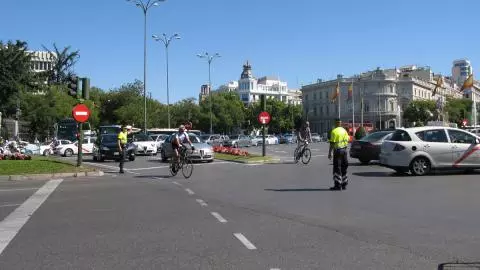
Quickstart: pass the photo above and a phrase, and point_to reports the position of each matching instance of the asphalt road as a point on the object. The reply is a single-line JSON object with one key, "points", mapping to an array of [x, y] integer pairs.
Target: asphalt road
{"points": [[238, 216]]}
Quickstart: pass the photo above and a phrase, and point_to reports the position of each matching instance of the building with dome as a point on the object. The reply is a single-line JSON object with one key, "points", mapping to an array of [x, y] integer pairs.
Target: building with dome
{"points": [[249, 88]]}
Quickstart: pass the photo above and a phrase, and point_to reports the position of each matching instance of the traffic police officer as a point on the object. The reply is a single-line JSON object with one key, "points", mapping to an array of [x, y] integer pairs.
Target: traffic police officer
{"points": [[338, 144], [122, 142]]}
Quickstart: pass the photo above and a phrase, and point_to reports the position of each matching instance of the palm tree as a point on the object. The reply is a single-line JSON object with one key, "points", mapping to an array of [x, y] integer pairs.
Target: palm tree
{"points": [[64, 60]]}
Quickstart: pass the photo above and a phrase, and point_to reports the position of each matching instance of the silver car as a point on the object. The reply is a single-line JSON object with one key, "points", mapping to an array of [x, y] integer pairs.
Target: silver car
{"points": [[238, 141], [202, 152]]}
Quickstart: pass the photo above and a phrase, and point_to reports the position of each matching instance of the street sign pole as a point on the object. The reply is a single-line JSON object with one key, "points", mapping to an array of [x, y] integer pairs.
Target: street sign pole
{"points": [[264, 108], [80, 134]]}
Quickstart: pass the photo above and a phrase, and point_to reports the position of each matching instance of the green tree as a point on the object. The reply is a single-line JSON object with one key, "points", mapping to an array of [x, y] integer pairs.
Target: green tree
{"points": [[15, 74], [419, 112], [458, 109], [64, 61]]}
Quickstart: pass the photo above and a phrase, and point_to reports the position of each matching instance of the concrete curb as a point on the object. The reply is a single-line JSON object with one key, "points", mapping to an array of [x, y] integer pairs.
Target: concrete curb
{"points": [[49, 176], [271, 161]]}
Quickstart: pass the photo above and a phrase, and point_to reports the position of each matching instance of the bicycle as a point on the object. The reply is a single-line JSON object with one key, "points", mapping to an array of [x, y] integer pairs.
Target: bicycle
{"points": [[184, 163], [302, 151]]}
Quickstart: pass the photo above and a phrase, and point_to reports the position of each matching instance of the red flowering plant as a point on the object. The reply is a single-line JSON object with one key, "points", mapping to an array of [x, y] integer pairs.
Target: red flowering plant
{"points": [[230, 151], [16, 156]]}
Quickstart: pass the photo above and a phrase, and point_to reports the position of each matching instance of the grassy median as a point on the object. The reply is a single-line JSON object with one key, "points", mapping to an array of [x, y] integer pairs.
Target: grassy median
{"points": [[38, 165], [246, 159]]}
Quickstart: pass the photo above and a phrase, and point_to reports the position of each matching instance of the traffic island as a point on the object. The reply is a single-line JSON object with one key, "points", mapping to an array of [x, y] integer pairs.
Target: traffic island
{"points": [[42, 168], [246, 159]]}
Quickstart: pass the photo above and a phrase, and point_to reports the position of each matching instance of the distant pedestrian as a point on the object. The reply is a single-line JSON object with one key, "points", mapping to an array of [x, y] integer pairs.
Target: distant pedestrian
{"points": [[122, 142], [338, 144]]}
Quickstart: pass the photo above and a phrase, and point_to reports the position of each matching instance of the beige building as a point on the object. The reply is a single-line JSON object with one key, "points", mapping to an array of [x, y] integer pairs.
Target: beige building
{"points": [[385, 94], [42, 61]]}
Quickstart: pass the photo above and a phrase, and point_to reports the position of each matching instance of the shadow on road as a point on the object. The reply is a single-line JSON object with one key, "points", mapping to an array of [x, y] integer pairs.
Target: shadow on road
{"points": [[153, 176], [379, 174], [299, 189], [463, 266]]}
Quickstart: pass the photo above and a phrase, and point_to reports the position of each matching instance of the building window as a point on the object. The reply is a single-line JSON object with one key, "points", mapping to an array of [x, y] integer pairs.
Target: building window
{"points": [[392, 108], [321, 109], [245, 97], [315, 111], [391, 88], [306, 97], [328, 111], [314, 96], [366, 107]]}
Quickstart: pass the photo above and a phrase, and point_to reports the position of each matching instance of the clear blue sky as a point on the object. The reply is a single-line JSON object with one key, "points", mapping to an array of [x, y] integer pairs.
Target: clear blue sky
{"points": [[299, 40]]}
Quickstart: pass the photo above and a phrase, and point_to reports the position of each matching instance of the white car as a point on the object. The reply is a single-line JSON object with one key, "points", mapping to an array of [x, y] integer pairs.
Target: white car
{"points": [[70, 149], [420, 150], [144, 144], [159, 139], [269, 139]]}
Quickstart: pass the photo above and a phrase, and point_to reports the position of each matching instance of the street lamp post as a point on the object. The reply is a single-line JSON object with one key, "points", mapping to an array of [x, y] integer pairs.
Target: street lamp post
{"points": [[166, 41], [145, 5], [209, 60]]}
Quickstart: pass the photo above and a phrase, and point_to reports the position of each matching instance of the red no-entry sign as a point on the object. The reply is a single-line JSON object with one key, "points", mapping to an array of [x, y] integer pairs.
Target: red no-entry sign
{"points": [[80, 113], [264, 118]]}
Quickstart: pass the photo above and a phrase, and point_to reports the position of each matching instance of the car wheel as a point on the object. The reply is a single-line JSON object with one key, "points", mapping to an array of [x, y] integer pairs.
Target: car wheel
{"points": [[420, 166], [162, 156], [95, 158], [46, 152], [101, 159], [210, 161], [401, 171], [131, 157], [235, 145], [364, 161], [68, 152]]}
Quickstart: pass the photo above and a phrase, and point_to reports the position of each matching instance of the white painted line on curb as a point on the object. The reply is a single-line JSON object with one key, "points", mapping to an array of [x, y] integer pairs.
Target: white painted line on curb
{"points": [[17, 189], [9, 205], [244, 241], [190, 192], [12, 224], [149, 168], [218, 217], [202, 203]]}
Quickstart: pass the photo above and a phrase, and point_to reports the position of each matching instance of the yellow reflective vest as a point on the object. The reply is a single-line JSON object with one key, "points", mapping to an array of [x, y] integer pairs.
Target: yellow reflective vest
{"points": [[339, 138], [122, 137]]}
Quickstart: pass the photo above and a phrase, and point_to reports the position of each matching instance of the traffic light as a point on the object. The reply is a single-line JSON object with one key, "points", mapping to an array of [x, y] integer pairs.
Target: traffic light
{"points": [[85, 88], [73, 86]]}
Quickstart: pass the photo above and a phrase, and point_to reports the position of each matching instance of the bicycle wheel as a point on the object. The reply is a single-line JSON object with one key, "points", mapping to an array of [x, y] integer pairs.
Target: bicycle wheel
{"points": [[173, 167], [295, 156], [307, 155], [187, 168]]}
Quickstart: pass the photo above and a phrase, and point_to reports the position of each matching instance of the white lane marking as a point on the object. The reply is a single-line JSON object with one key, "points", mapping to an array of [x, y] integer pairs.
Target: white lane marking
{"points": [[190, 192], [219, 217], [149, 168], [132, 172], [176, 183], [9, 205], [105, 166], [17, 189], [244, 241], [202, 203], [12, 224], [158, 178], [274, 268], [319, 155], [278, 151]]}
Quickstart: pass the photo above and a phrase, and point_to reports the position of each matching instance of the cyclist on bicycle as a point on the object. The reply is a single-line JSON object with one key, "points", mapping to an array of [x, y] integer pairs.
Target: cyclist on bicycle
{"points": [[304, 134], [180, 139]]}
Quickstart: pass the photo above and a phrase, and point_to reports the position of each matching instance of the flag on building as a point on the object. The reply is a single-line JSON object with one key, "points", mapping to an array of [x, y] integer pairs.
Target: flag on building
{"points": [[438, 85], [468, 83], [336, 93], [350, 91]]}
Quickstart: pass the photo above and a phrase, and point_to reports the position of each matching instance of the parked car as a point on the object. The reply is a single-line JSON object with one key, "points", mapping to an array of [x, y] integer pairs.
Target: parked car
{"points": [[290, 138], [70, 149], [238, 141], [368, 148], [423, 149], [44, 149], [255, 140], [106, 147], [215, 139], [269, 139], [159, 139], [316, 137], [145, 144], [203, 151]]}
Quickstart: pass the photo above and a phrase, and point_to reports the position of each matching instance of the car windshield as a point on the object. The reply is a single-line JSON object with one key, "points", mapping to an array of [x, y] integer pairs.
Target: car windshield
{"points": [[109, 138], [205, 137], [154, 137], [194, 138], [142, 138], [375, 136], [233, 137]]}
